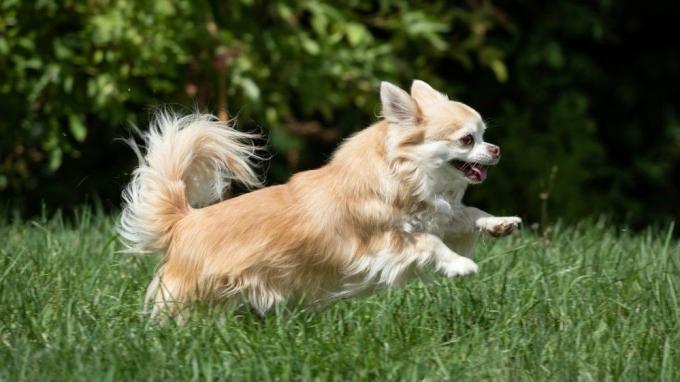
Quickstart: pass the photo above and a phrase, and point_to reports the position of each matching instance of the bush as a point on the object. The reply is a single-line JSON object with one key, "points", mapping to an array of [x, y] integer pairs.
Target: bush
{"points": [[550, 78]]}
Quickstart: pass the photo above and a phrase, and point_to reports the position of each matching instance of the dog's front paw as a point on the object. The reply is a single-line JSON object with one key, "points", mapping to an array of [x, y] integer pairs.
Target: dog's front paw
{"points": [[460, 266], [499, 226]]}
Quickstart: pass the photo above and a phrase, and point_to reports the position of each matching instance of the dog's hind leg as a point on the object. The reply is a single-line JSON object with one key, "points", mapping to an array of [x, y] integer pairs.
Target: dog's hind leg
{"points": [[168, 295]]}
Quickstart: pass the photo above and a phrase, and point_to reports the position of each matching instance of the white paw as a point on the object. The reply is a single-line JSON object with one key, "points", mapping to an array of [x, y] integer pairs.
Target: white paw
{"points": [[460, 266], [499, 226]]}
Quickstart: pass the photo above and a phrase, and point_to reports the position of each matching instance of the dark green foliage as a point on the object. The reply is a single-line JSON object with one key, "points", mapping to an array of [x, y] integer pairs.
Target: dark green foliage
{"points": [[585, 90]]}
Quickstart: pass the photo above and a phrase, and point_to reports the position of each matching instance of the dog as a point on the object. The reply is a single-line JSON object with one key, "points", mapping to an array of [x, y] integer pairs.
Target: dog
{"points": [[385, 208]]}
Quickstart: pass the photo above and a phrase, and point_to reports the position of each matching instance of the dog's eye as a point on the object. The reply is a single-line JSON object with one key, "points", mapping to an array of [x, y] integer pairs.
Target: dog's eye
{"points": [[467, 140]]}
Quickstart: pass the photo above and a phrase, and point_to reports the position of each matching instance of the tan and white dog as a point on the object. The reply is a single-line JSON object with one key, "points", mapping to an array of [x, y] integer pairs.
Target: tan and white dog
{"points": [[386, 207]]}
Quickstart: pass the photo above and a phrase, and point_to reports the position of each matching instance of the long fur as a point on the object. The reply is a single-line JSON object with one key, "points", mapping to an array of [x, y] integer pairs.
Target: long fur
{"points": [[190, 161], [385, 208]]}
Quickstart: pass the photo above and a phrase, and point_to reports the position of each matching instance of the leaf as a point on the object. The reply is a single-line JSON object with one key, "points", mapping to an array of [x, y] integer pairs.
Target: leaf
{"points": [[310, 46], [356, 33], [78, 129], [4, 46], [285, 12], [553, 55], [319, 20], [250, 89], [55, 159], [500, 70], [61, 51]]}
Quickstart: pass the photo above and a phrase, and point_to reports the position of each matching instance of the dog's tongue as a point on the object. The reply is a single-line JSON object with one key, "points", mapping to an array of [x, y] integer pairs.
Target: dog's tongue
{"points": [[477, 172]]}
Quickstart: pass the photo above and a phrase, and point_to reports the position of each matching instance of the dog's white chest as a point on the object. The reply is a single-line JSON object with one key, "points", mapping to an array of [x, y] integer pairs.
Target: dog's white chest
{"points": [[443, 211]]}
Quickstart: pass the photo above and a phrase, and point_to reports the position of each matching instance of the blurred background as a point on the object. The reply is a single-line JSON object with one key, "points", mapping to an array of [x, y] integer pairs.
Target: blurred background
{"points": [[582, 96]]}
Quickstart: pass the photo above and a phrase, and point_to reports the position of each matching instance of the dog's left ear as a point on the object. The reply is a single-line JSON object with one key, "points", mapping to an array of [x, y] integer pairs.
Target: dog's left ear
{"points": [[423, 93], [398, 106]]}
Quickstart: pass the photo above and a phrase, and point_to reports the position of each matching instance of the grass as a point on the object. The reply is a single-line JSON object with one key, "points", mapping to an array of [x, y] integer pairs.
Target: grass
{"points": [[584, 303]]}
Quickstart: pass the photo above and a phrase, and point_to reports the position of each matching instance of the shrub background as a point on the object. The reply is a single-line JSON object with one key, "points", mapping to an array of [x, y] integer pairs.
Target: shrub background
{"points": [[582, 97]]}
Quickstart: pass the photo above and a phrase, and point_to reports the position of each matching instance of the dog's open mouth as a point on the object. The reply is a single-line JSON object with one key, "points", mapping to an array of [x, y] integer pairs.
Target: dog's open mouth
{"points": [[473, 171]]}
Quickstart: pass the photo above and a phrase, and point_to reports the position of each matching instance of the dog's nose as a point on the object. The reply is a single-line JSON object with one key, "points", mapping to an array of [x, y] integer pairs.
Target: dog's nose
{"points": [[494, 150]]}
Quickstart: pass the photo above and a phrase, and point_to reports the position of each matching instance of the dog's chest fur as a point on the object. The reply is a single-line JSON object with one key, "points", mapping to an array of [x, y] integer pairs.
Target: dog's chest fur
{"points": [[440, 214]]}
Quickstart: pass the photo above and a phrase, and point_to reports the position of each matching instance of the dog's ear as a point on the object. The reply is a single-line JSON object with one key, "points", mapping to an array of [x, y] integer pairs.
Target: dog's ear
{"points": [[397, 105], [423, 93]]}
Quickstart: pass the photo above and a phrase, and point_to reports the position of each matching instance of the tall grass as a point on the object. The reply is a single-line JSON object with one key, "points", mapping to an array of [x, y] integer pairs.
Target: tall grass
{"points": [[587, 302]]}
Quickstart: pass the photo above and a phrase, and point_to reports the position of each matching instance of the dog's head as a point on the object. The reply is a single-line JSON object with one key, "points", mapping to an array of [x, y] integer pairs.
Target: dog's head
{"points": [[441, 137]]}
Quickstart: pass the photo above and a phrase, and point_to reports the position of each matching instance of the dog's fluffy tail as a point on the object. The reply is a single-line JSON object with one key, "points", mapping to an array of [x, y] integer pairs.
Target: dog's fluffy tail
{"points": [[189, 161]]}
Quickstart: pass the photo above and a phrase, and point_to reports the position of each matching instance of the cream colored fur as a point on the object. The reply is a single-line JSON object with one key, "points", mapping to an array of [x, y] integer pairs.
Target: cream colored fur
{"points": [[385, 208]]}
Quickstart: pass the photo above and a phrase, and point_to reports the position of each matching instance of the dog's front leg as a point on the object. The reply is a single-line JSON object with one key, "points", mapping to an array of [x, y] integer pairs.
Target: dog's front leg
{"points": [[473, 219], [464, 230], [445, 260], [496, 226]]}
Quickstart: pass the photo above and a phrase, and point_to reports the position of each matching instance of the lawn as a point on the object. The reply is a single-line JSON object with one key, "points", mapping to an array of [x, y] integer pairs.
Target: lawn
{"points": [[584, 302]]}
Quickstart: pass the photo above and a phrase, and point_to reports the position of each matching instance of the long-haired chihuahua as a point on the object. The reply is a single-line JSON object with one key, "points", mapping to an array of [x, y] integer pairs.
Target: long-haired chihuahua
{"points": [[386, 207]]}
